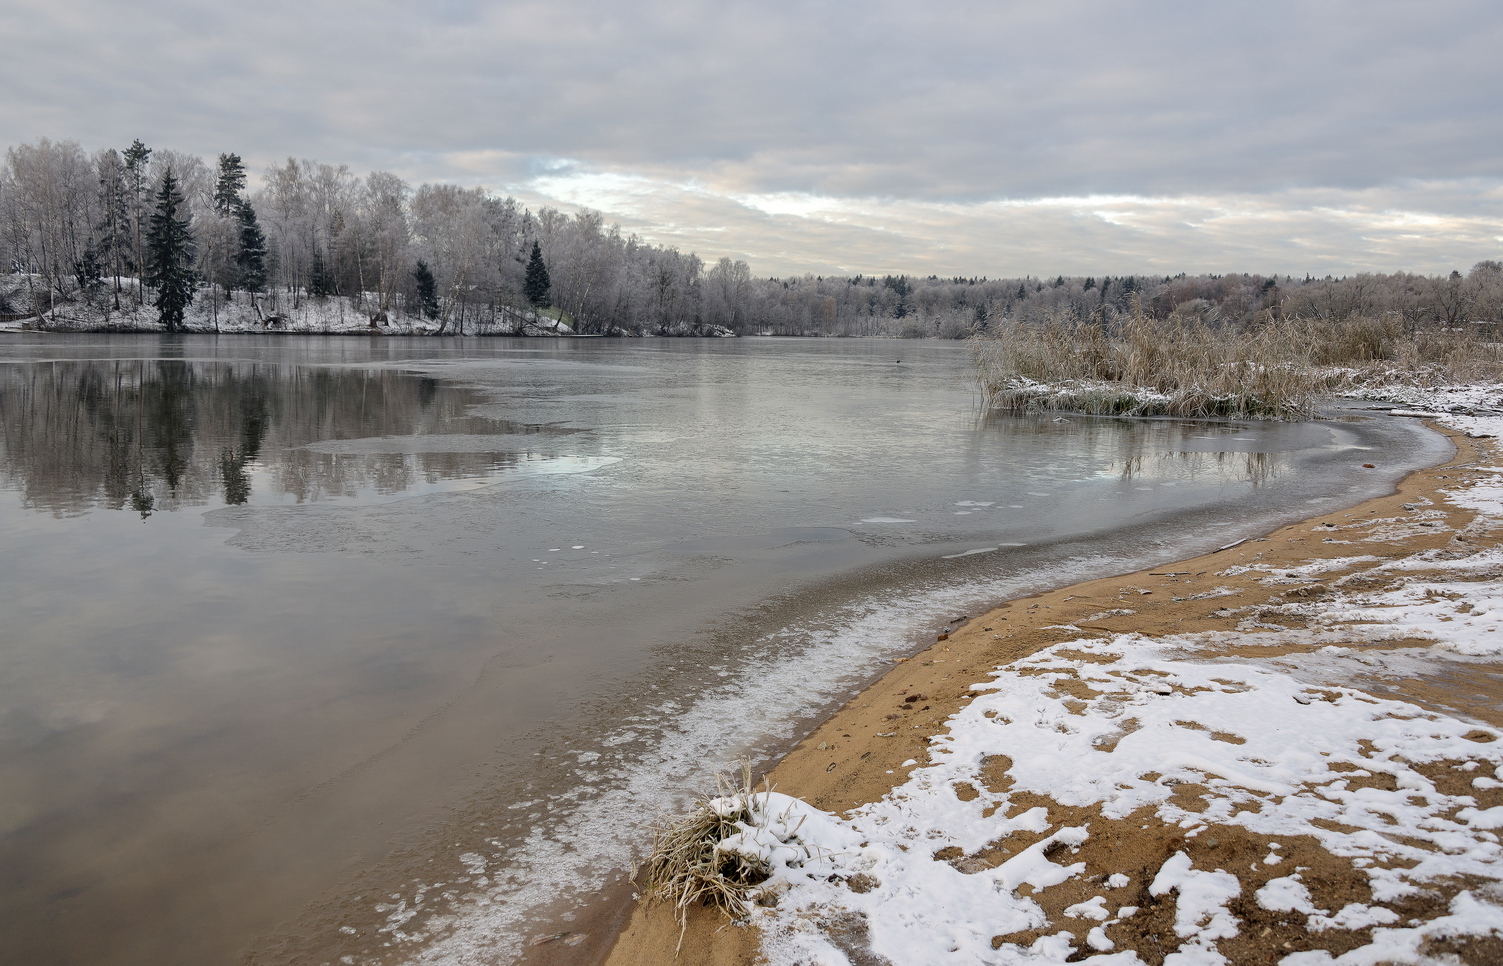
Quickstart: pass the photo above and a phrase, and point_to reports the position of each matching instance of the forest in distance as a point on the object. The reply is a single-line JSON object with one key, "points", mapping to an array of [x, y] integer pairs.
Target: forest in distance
{"points": [[104, 241]]}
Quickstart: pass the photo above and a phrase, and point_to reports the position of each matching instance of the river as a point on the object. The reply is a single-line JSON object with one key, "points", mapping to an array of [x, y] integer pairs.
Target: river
{"points": [[324, 649]]}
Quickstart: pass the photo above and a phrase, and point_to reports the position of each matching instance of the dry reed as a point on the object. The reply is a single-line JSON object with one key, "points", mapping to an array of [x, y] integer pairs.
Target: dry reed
{"points": [[687, 866], [1183, 366]]}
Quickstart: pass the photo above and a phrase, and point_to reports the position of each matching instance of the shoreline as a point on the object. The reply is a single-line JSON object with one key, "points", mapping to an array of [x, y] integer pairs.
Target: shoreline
{"points": [[872, 744], [420, 331]]}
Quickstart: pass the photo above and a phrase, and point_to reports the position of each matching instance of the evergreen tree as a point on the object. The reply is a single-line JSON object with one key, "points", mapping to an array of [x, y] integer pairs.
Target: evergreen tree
{"points": [[320, 278], [537, 287], [251, 259], [427, 290], [89, 271], [231, 182], [169, 255]]}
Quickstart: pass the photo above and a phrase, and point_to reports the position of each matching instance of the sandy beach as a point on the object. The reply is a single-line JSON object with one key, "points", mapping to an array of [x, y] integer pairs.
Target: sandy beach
{"points": [[1373, 847]]}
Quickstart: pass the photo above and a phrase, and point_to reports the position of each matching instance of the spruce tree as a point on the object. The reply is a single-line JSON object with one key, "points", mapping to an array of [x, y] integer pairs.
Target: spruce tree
{"points": [[169, 255], [427, 290], [251, 259], [231, 182], [537, 287], [320, 279], [89, 271]]}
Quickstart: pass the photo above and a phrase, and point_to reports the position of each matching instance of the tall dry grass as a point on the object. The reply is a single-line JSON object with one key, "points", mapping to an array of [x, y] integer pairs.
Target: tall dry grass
{"points": [[1185, 366]]}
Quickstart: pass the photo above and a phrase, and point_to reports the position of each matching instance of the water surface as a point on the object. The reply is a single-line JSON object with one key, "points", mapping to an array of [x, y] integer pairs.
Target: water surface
{"points": [[326, 647]]}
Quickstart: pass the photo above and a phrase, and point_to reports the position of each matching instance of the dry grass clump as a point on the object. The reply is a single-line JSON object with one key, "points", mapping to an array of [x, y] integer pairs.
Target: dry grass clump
{"points": [[1142, 366], [688, 865], [1185, 366], [1436, 357]]}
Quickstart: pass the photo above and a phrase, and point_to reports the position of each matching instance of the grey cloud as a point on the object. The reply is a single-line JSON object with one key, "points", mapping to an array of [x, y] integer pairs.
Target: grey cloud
{"points": [[915, 105], [955, 100]]}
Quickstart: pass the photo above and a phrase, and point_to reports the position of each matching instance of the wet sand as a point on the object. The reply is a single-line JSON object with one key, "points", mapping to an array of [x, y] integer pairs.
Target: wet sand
{"points": [[846, 762]]}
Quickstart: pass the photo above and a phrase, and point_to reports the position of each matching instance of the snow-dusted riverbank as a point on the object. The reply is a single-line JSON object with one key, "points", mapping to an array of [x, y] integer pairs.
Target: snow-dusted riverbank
{"points": [[1310, 781], [281, 312]]}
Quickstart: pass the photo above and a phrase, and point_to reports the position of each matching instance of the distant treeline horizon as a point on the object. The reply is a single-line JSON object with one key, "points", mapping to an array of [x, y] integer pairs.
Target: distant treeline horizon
{"points": [[76, 223]]}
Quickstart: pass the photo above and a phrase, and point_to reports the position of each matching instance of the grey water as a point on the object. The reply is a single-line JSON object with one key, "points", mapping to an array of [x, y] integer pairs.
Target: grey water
{"points": [[346, 650]]}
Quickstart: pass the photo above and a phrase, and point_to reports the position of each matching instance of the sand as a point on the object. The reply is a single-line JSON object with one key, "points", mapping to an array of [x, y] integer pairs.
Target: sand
{"points": [[846, 763]]}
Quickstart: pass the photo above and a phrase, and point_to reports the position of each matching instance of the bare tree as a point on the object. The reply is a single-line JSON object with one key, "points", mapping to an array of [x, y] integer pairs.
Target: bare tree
{"points": [[51, 187]]}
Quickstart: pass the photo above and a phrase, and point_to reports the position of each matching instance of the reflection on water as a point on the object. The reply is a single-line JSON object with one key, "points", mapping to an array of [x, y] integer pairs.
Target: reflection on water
{"points": [[162, 434], [1150, 450]]}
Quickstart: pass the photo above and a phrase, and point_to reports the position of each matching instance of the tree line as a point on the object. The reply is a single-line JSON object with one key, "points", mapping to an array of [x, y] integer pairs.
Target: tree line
{"points": [[87, 235], [115, 230], [956, 307]]}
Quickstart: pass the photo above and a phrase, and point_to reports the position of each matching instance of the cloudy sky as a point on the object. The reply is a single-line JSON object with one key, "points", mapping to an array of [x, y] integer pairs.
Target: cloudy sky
{"points": [[975, 138]]}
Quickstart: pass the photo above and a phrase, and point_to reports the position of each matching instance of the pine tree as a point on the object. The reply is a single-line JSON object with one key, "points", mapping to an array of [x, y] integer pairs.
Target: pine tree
{"points": [[114, 216], [231, 182], [251, 259], [427, 290], [537, 287], [135, 159], [169, 255]]}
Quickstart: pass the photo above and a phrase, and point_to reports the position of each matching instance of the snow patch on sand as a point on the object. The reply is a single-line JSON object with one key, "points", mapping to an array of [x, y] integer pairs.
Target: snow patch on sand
{"points": [[1276, 756]]}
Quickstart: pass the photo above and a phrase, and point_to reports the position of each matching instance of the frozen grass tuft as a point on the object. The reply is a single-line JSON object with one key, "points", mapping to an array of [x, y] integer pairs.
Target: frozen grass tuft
{"points": [[695, 859], [739, 846]]}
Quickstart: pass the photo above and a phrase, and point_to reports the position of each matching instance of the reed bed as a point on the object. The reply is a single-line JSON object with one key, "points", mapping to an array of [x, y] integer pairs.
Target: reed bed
{"points": [[1183, 366]]}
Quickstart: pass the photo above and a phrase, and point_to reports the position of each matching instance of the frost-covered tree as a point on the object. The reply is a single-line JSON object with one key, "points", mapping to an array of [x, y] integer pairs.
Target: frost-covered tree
{"points": [[461, 231], [113, 227], [374, 243], [50, 194], [727, 286], [136, 159]]}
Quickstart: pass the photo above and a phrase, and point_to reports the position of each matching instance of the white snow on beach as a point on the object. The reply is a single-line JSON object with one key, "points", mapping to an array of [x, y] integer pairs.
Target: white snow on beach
{"points": [[1273, 764], [1285, 746]]}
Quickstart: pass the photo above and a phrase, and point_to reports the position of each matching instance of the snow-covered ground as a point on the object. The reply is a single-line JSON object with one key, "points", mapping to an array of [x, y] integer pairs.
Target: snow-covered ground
{"points": [[1198, 798], [280, 312]]}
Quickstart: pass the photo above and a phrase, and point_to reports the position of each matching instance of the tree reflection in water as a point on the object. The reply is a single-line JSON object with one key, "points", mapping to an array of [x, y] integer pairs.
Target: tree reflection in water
{"points": [[150, 435], [1143, 449]]}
